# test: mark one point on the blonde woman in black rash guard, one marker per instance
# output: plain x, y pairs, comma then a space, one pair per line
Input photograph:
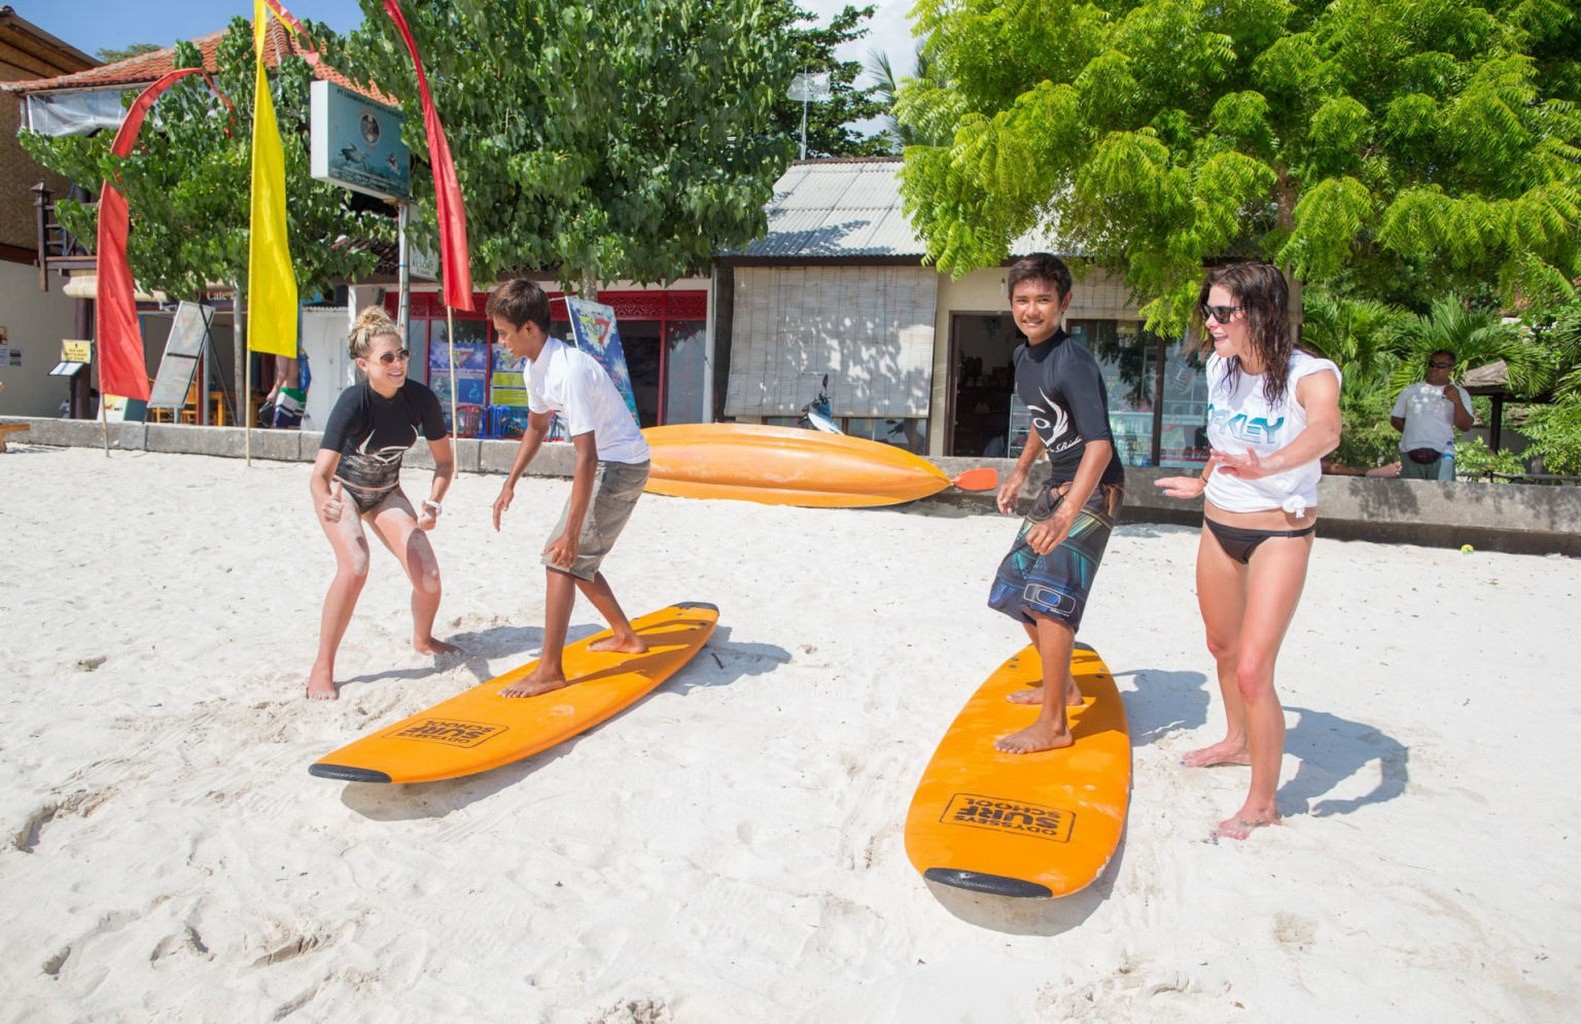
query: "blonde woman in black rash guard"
357, 479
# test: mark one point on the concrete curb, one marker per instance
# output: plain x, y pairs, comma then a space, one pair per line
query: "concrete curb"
1499, 517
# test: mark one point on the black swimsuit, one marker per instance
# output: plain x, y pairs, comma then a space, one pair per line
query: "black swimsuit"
1239, 542
372, 434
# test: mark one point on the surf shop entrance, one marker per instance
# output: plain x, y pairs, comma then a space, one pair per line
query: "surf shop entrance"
663, 337
1158, 399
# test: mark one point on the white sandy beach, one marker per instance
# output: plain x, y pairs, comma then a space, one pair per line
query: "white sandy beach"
729, 849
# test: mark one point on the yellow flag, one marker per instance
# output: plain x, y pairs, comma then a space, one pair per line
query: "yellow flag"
271, 282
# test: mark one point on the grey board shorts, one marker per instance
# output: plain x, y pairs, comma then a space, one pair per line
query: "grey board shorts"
616, 488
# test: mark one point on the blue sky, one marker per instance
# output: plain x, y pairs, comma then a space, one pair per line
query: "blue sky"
93, 25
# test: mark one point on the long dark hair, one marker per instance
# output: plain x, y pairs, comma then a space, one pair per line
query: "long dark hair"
1261, 289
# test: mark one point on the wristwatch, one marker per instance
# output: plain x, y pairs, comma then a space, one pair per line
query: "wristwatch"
437, 508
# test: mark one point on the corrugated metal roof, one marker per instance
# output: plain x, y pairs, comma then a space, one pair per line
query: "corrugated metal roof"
846, 209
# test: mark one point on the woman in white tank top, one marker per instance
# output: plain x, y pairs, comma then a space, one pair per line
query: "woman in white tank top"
1273, 415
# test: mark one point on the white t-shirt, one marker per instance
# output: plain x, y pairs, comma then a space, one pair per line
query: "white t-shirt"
1429, 417
1242, 420
570, 382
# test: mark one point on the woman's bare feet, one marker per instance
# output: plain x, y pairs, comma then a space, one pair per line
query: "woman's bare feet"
632, 644
533, 684
1222, 752
1243, 825
433, 646
321, 686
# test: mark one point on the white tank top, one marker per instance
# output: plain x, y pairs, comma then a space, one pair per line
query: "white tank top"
1242, 419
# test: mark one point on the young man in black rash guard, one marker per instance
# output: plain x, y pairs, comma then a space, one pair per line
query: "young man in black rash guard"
1044, 581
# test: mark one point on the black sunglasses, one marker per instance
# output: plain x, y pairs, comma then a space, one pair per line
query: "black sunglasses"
402, 354
1441, 366
1220, 313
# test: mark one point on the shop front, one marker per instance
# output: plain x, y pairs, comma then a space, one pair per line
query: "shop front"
1156, 390
663, 336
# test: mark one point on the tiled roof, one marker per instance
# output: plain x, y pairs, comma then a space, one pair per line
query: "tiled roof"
845, 208
147, 67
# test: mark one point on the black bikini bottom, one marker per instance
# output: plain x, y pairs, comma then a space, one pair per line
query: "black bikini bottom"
1239, 543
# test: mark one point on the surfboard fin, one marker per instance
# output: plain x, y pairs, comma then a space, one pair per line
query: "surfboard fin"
995, 885
985, 478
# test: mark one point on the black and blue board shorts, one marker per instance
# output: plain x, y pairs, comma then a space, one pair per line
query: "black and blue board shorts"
1056, 584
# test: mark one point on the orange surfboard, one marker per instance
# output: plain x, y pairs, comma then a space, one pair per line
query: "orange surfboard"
1035, 826
478, 729
791, 466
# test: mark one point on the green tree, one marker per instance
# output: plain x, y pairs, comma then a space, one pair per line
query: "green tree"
1398, 148
1554, 428
1360, 336
1476, 337
899, 131
111, 55
188, 181
626, 139
831, 127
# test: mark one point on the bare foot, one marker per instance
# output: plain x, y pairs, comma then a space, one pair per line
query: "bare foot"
433, 646
1034, 695
321, 687
1222, 752
1039, 735
533, 685
633, 644
1241, 826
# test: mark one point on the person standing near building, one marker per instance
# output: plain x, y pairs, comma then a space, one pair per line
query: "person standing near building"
1044, 581
1427, 414
611, 471
356, 481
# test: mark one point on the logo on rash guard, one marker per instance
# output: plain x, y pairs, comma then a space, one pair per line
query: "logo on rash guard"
1053, 424
389, 453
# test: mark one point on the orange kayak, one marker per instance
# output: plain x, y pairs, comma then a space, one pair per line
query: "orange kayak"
785, 466
1037, 825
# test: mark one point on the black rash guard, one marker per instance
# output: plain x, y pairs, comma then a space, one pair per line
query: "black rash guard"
372, 432
1062, 386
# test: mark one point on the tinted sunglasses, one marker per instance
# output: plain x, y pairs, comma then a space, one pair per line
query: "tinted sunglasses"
389, 357
1220, 313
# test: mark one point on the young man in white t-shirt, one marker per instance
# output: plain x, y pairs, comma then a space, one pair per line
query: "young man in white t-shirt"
611, 471
1427, 414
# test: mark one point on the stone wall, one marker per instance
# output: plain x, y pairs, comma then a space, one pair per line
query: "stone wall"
1498, 517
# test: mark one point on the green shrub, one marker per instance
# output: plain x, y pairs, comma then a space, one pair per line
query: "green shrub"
1473, 460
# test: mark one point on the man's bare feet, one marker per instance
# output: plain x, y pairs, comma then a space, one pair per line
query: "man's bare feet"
1034, 695
1222, 752
534, 684
321, 687
433, 646
1242, 825
633, 644
1039, 735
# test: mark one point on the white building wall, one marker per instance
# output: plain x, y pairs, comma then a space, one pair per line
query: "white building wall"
35, 323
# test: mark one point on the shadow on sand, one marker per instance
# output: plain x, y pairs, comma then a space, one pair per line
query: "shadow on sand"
1331, 750
719, 663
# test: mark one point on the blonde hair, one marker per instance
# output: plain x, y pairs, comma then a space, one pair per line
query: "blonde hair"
372, 322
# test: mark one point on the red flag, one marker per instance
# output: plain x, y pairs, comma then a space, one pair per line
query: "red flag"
122, 369
447, 190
